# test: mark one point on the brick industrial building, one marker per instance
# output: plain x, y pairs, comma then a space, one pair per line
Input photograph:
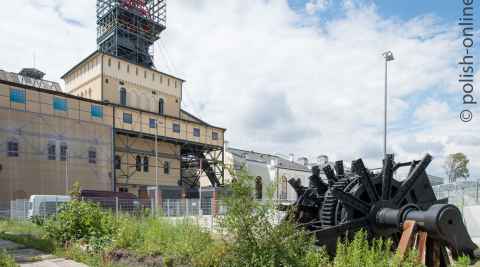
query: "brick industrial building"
118, 126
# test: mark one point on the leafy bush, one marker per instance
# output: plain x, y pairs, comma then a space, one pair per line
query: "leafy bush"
256, 239
80, 220
38, 220
6, 260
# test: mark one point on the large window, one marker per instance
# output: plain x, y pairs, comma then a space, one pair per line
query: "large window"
138, 163
118, 162
176, 128
51, 150
92, 155
145, 164
127, 118
258, 188
196, 132
96, 111
63, 152
166, 167
60, 104
123, 96
12, 148
214, 136
161, 106
17, 96
152, 123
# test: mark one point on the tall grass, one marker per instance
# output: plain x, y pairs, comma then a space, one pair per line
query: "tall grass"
6, 260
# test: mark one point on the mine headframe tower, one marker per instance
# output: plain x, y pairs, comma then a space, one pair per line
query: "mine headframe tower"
128, 28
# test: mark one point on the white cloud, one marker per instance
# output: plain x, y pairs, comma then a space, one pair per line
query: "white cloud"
313, 6
432, 110
277, 86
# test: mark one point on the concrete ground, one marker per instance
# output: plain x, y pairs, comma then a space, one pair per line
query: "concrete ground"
28, 257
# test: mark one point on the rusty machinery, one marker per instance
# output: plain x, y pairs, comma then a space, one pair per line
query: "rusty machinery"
405, 211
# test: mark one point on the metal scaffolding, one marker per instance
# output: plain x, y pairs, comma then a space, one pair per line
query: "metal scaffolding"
196, 159
128, 28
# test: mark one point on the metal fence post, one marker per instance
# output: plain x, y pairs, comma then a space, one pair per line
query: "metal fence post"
168, 207
152, 206
116, 206
476, 194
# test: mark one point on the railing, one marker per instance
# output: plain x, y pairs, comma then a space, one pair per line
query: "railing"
462, 193
19, 209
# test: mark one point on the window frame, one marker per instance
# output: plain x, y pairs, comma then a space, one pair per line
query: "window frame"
166, 167
117, 162
127, 118
146, 164
196, 132
138, 163
63, 151
123, 96
13, 148
176, 127
161, 106
92, 155
52, 150
215, 136
96, 111
18, 96
152, 123
59, 104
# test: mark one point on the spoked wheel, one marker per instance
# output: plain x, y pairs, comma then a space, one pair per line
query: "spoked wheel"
353, 202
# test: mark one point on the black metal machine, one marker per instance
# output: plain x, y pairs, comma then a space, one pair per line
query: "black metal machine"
384, 207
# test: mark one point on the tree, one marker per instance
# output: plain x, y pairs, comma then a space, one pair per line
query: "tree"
456, 167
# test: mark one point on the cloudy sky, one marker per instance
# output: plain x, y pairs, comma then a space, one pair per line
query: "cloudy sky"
299, 76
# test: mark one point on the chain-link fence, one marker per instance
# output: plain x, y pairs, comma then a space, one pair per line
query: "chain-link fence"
462, 193
23, 208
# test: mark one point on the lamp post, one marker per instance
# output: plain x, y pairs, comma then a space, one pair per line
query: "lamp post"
156, 164
388, 57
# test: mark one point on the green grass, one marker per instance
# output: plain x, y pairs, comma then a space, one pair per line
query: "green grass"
30, 241
21, 227
27, 234
6, 260
181, 242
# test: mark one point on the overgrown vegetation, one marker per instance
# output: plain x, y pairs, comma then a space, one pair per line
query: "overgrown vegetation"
81, 221
6, 260
250, 235
257, 239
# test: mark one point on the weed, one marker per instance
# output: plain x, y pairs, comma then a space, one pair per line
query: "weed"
6, 260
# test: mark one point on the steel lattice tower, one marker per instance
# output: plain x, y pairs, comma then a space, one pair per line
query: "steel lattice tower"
128, 28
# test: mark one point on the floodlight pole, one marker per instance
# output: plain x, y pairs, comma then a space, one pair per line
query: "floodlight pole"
388, 57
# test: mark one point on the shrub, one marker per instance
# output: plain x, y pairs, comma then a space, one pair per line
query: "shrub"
256, 239
378, 252
6, 260
80, 220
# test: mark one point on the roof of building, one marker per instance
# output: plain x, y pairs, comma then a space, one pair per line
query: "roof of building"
200, 120
99, 52
23, 79
266, 158
6, 78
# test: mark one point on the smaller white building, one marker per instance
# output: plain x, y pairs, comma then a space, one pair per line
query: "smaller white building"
271, 172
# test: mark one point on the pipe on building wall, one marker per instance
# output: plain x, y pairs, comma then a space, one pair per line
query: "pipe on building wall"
114, 171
